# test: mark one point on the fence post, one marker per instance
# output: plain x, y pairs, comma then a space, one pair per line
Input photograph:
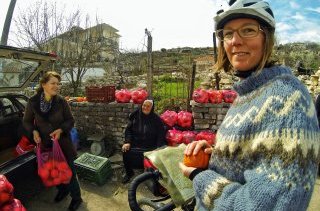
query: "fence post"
193, 75
150, 63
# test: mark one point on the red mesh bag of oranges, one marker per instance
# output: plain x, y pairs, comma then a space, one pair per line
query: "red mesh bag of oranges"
53, 168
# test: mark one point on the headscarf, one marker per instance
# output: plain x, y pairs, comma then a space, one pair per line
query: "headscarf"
144, 122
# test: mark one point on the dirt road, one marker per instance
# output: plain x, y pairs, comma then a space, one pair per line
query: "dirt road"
112, 196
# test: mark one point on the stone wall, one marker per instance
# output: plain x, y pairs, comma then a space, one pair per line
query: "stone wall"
111, 119
208, 116
101, 118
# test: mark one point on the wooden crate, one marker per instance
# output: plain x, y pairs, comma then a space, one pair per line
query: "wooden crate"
104, 94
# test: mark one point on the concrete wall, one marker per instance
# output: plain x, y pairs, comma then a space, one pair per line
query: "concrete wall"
111, 119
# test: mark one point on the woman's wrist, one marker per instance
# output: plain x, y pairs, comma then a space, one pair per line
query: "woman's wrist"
195, 173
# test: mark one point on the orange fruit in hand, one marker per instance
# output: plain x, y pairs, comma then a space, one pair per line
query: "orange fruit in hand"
200, 160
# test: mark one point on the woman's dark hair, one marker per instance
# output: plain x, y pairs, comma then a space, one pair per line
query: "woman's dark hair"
46, 77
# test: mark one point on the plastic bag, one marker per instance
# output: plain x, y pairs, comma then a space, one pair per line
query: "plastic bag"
169, 117
123, 96
75, 138
229, 95
200, 96
185, 119
174, 137
209, 136
188, 136
24, 146
6, 191
166, 161
53, 168
138, 96
215, 96
14, 205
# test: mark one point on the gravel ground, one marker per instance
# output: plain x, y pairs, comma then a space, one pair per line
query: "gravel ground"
112, 197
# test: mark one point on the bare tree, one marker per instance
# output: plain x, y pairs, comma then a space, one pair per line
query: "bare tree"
41, 22
78, 43
124, 64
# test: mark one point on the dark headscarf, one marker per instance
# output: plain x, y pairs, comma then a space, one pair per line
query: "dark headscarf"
144, 121
146, 131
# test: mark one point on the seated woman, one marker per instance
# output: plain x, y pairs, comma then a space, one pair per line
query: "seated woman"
145, 132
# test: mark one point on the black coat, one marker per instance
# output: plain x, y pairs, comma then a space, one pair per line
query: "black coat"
59, 116
145, 131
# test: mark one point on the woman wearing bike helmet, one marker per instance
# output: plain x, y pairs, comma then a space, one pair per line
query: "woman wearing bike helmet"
267, 147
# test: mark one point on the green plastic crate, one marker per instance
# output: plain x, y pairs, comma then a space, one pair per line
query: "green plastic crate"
93, 168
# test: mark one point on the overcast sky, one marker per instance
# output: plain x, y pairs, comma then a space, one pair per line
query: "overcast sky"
182, 23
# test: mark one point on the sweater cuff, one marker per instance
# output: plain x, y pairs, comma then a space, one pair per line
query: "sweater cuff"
194, 173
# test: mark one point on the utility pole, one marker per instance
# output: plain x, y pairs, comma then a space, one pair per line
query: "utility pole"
150, 63
7, 23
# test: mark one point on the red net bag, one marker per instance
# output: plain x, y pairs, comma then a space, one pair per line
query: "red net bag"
169, 117
229, 95
174, 137
210, 137
188, 136
185, 119
6, 191
123, 96
53, 168
215, 96
14, 205
200, 96
138, 96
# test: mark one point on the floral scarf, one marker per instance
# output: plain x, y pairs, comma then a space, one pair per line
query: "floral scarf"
45, 106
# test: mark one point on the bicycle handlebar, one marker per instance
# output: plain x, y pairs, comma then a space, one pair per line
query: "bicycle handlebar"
132, 191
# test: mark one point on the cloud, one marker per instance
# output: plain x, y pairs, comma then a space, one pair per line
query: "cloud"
314, 9
282, 26
298, 16
301, 31
294, 5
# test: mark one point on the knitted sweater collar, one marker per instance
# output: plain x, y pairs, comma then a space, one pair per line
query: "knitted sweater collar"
260, 78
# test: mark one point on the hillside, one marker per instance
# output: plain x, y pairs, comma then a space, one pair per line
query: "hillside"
308, 54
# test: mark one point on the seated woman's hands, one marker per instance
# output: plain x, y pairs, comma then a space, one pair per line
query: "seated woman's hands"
194, 148
125, 147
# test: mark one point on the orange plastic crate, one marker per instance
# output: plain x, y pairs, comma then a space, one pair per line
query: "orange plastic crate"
104, 94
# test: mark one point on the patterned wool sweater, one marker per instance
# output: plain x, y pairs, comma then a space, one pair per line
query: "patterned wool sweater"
267, 148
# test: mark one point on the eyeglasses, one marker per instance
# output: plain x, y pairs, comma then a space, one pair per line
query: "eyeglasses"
55, 84
247, 31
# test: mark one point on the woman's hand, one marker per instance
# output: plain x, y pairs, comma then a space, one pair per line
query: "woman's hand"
194, 147
126, 147
36, 137
56, 134
185, 169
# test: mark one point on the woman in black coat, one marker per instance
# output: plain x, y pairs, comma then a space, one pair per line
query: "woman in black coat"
48, 117
145, 132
